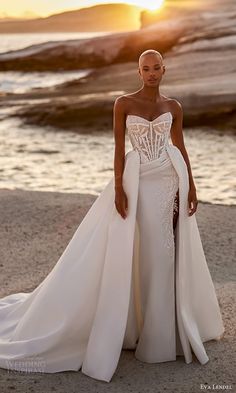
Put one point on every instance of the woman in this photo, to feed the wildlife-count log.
(146, 101)
(150, 117)
(129, 267)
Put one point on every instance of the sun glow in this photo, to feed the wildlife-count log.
(45, 8)
(151, 5)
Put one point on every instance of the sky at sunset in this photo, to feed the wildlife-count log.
(27, 8)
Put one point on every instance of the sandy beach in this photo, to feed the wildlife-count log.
(35, 229)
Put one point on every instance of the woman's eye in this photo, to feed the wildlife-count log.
(156, 69)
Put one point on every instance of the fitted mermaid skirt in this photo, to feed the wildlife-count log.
(155, 339)
(157, 189)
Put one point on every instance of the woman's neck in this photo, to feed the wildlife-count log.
(150, 93)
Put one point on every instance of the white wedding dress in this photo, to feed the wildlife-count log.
(131, 283)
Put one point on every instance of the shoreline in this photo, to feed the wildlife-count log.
(91, 196)
(87, 103)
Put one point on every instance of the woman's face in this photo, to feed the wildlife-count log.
(151, 70)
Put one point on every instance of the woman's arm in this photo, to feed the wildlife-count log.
(178, 140)
(119, 127)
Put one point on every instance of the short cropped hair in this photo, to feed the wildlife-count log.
(149, 52)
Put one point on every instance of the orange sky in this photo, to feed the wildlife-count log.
(30, 8)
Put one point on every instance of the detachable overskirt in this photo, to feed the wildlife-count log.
(77, 316)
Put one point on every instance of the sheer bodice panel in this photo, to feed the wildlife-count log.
(149, 138)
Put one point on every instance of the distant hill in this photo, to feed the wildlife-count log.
(104, 17)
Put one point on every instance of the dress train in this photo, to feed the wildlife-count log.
(88, 307)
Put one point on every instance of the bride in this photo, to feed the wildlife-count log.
(134, 275)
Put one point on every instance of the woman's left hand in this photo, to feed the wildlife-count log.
(192, 201)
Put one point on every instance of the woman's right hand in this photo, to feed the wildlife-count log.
(121, 201)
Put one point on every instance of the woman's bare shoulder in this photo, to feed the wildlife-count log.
(171, 100)
(123, 101)
(125, 97)
(175, 104)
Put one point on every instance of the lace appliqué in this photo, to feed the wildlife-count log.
(169, 206)
(149, 140)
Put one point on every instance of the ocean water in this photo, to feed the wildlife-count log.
(41, 159)
(35, 158)
(20, 82)
(11, 42)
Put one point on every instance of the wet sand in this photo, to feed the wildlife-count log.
(35, 229)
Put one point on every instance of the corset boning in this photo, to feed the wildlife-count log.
(149, 138)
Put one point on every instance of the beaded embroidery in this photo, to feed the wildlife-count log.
(168, 207)
(149, 138)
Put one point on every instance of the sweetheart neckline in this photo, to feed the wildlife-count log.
(150, 121)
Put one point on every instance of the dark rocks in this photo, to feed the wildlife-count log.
(199, 54)
(94, 52)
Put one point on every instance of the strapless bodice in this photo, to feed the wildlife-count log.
(149, 138)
